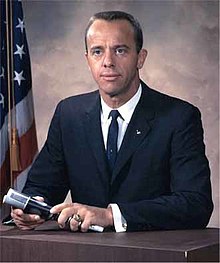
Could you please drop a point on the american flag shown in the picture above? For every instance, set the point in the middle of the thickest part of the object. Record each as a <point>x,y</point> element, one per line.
<point>18,141</point>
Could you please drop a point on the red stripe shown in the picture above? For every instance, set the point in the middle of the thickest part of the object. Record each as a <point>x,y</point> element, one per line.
<point>27,148</point>
<point>5,175</point>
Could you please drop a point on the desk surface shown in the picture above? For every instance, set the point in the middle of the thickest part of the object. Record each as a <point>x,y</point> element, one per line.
<point>179,245</point>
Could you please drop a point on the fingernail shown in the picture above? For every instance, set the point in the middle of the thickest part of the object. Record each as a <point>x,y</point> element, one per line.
<point>61,226</point>
<point>37,218</point>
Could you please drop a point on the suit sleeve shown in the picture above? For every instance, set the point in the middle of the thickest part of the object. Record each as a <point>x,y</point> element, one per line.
<point>47,177</point>
<point>189,203</point>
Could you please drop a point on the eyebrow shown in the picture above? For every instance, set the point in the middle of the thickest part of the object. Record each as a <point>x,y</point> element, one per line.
<point>114,47</point>
<point>121,46</point>
<point>96,47</point>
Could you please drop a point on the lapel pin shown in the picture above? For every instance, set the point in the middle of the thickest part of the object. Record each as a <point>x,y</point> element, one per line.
<point>138,132</point>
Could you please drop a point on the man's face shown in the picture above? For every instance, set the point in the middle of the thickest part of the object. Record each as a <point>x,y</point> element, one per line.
<point>113,59</point>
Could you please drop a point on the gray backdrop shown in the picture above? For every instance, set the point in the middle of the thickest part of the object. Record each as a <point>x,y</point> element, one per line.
<point>180,36</point>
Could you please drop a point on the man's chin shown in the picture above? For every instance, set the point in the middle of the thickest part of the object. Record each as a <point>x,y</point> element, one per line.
<point>112,94</point>
<point>111,91</point>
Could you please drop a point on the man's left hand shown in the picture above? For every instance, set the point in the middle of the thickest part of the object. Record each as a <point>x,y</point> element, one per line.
<point>88,215</point>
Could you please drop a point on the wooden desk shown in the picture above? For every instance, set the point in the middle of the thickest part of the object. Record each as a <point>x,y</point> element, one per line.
<point>61,246</point>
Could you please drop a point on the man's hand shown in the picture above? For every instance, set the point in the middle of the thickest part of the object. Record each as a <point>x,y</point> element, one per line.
<point>90,215</point>
<point>26,221</point>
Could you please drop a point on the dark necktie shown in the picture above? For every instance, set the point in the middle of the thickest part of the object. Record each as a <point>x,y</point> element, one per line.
<point>112,139</point>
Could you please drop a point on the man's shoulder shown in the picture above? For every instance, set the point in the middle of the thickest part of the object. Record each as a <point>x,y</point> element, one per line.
<point>78,104</point>
<point>162,100</point>
<point>80,101</point>
<point>168,107</point>
<point>82,98</point>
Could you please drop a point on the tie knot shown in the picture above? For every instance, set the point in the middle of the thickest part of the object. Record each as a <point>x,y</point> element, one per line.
<point>114,114</point>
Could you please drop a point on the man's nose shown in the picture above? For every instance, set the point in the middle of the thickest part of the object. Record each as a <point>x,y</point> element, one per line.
<point>109,60</point>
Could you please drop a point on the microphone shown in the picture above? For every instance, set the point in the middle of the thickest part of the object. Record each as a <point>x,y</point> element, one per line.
<point>28,204</point>
<point>31,206</point>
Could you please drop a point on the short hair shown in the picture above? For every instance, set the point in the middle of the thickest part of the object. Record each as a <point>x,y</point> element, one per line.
<point>118,15</point>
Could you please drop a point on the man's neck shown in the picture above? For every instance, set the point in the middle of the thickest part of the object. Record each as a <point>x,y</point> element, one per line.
<point>116,101</point>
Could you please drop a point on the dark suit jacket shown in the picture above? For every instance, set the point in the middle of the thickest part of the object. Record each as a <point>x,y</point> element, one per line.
<point>161,178</point>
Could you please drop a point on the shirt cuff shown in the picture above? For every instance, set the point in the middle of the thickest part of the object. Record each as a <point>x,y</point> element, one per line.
<point>120,223</point>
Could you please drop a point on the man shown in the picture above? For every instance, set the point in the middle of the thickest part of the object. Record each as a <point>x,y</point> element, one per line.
<point>141,166</point>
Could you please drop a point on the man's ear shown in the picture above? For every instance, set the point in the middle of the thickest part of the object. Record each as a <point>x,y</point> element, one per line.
<point>141,58</point>
<point>86,56</point>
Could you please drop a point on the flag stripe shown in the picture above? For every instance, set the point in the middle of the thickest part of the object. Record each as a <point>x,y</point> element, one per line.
<point>21,179</point>
<point>24,119</point>
<point>24,114</point>
<point>5,175</point>
<point>28,147</point>
<point>4,140</point>
<point>20,116</point>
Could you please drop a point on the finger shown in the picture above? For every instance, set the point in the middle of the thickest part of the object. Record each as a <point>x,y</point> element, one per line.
<point>19,215</point>
<point>58,208</point>
<point>30,218</point>
<point>16,212</point>
<point>26,227</point>
<point>29,225</point>
<point>65,214</point>
<point>85,224</point>
<point>25,221</point>
<point>39,198</point>
<point>73,225</point>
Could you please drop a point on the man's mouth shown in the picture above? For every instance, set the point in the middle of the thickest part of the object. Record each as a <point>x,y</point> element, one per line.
<point>110,76</point>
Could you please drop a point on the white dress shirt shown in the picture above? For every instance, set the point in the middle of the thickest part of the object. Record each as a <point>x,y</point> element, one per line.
<point>126,111</point>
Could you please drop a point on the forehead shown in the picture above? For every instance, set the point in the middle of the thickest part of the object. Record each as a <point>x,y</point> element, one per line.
<point>119,30</point>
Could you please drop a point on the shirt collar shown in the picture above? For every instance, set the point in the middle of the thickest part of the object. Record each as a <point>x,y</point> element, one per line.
<point>126,110</point>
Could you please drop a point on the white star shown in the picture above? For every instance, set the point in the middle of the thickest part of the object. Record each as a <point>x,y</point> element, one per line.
<point>138,132</point>
<point>19,77</point>
<point>20,25</point>
<point>3,73</point>
<point>19,51</point>
<point>2,101</point>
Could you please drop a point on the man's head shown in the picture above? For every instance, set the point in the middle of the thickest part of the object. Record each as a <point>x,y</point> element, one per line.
<point>118,15</point>
<point>114,54</point>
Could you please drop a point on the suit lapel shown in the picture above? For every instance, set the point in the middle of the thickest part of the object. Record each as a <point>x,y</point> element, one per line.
<point>137,130</point>
<point>95,137</point>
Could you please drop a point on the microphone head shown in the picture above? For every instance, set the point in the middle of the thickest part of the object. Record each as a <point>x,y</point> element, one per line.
<point>28,204</point>
<point>15,199</point>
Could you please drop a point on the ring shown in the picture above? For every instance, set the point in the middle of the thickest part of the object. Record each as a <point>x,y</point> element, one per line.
<point>77,218</point>
<point>67,223</point>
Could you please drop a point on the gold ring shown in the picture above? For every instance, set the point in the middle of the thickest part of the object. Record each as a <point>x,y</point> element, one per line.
<point>77,218</point>
<point>67,223</point>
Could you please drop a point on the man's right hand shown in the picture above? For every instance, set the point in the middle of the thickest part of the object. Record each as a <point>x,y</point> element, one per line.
<point>26,221</point>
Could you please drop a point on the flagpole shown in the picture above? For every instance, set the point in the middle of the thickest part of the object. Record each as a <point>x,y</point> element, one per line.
<point>8,82</point>
<point>13,139</point>
<point>15,156</point>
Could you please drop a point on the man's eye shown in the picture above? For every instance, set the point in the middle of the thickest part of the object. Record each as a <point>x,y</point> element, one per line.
<point>120,51</point>
<point>96,52</point>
